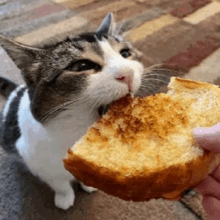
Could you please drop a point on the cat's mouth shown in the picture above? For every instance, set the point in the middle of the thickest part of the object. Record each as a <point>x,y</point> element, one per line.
<point>103,109</point>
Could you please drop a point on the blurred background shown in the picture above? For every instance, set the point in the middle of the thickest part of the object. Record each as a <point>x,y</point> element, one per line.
<point>175,37</point>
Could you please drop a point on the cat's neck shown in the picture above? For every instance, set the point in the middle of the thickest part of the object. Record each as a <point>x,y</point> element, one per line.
<point>62,131</point>
<point>59,133</point>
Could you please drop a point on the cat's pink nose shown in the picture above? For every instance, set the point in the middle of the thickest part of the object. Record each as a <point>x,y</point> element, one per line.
<point>126,77</point>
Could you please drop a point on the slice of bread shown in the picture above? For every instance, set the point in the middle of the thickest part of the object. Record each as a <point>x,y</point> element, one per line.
<point>143,148</point>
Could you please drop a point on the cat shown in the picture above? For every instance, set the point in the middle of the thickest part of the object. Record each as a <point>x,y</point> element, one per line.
<point>66,85</point>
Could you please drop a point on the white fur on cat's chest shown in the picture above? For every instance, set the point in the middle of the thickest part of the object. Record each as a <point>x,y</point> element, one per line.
<point>39,144</point>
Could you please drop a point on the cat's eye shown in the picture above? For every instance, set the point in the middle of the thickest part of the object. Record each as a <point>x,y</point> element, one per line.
<point>125,53</point>
<point>84,65</point>
<point>81,66</point>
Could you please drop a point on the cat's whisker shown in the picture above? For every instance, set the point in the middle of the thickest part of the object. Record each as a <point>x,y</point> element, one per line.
<point>83,103</point>
<point>145,82</point>
<point>143,93</point>
<point>60,107</point>
<point>155,65</point>
<point>48,113</point>
<point>161,69</point>
<point>153,69</point>
<point>152,79</point>
<point>53,111</point>
<point>159,75</point>
<point>158,65</point>
<point>150,85</point>
<point>165,70</point>
<point>94,107</point>
<point>145,86</point>
<point>156,74</point>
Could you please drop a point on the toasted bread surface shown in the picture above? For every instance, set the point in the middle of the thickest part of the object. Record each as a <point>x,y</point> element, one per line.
<point>143,148</point>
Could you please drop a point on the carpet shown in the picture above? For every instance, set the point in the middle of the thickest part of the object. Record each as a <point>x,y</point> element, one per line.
<point>182,36</point>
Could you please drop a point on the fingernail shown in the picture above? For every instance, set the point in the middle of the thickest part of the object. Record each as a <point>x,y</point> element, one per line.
<point>201,135</point>
<point>200,131</point>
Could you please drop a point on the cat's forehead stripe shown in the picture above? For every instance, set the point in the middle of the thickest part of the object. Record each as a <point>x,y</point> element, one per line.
<point>107,49</point>
<point>88,42</point>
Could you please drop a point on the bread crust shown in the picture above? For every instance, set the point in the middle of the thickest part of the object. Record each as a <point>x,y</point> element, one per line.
<point>168,183</point>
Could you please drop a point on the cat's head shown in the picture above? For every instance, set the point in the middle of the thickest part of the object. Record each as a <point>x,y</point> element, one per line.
<point>95,68</point>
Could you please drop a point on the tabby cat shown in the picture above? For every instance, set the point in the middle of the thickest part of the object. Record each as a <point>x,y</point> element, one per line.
<point>67,84</point>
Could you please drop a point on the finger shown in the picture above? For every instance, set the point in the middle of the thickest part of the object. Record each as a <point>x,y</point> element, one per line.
<point>216,174</point>
<point>209,138</point>
<point>209,187</point>
<point>212,207</point>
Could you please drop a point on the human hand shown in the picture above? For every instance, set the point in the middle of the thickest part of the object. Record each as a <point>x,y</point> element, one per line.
<point>209,138</point>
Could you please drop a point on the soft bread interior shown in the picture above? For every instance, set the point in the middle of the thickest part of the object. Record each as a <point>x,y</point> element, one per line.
<point>149,134</point>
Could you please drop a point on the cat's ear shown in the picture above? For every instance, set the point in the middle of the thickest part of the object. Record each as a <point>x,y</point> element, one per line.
<point>21,54</point>
<point>107,26</point>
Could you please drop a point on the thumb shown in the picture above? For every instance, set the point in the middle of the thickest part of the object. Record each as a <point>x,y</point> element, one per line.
<point>209,138</point>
